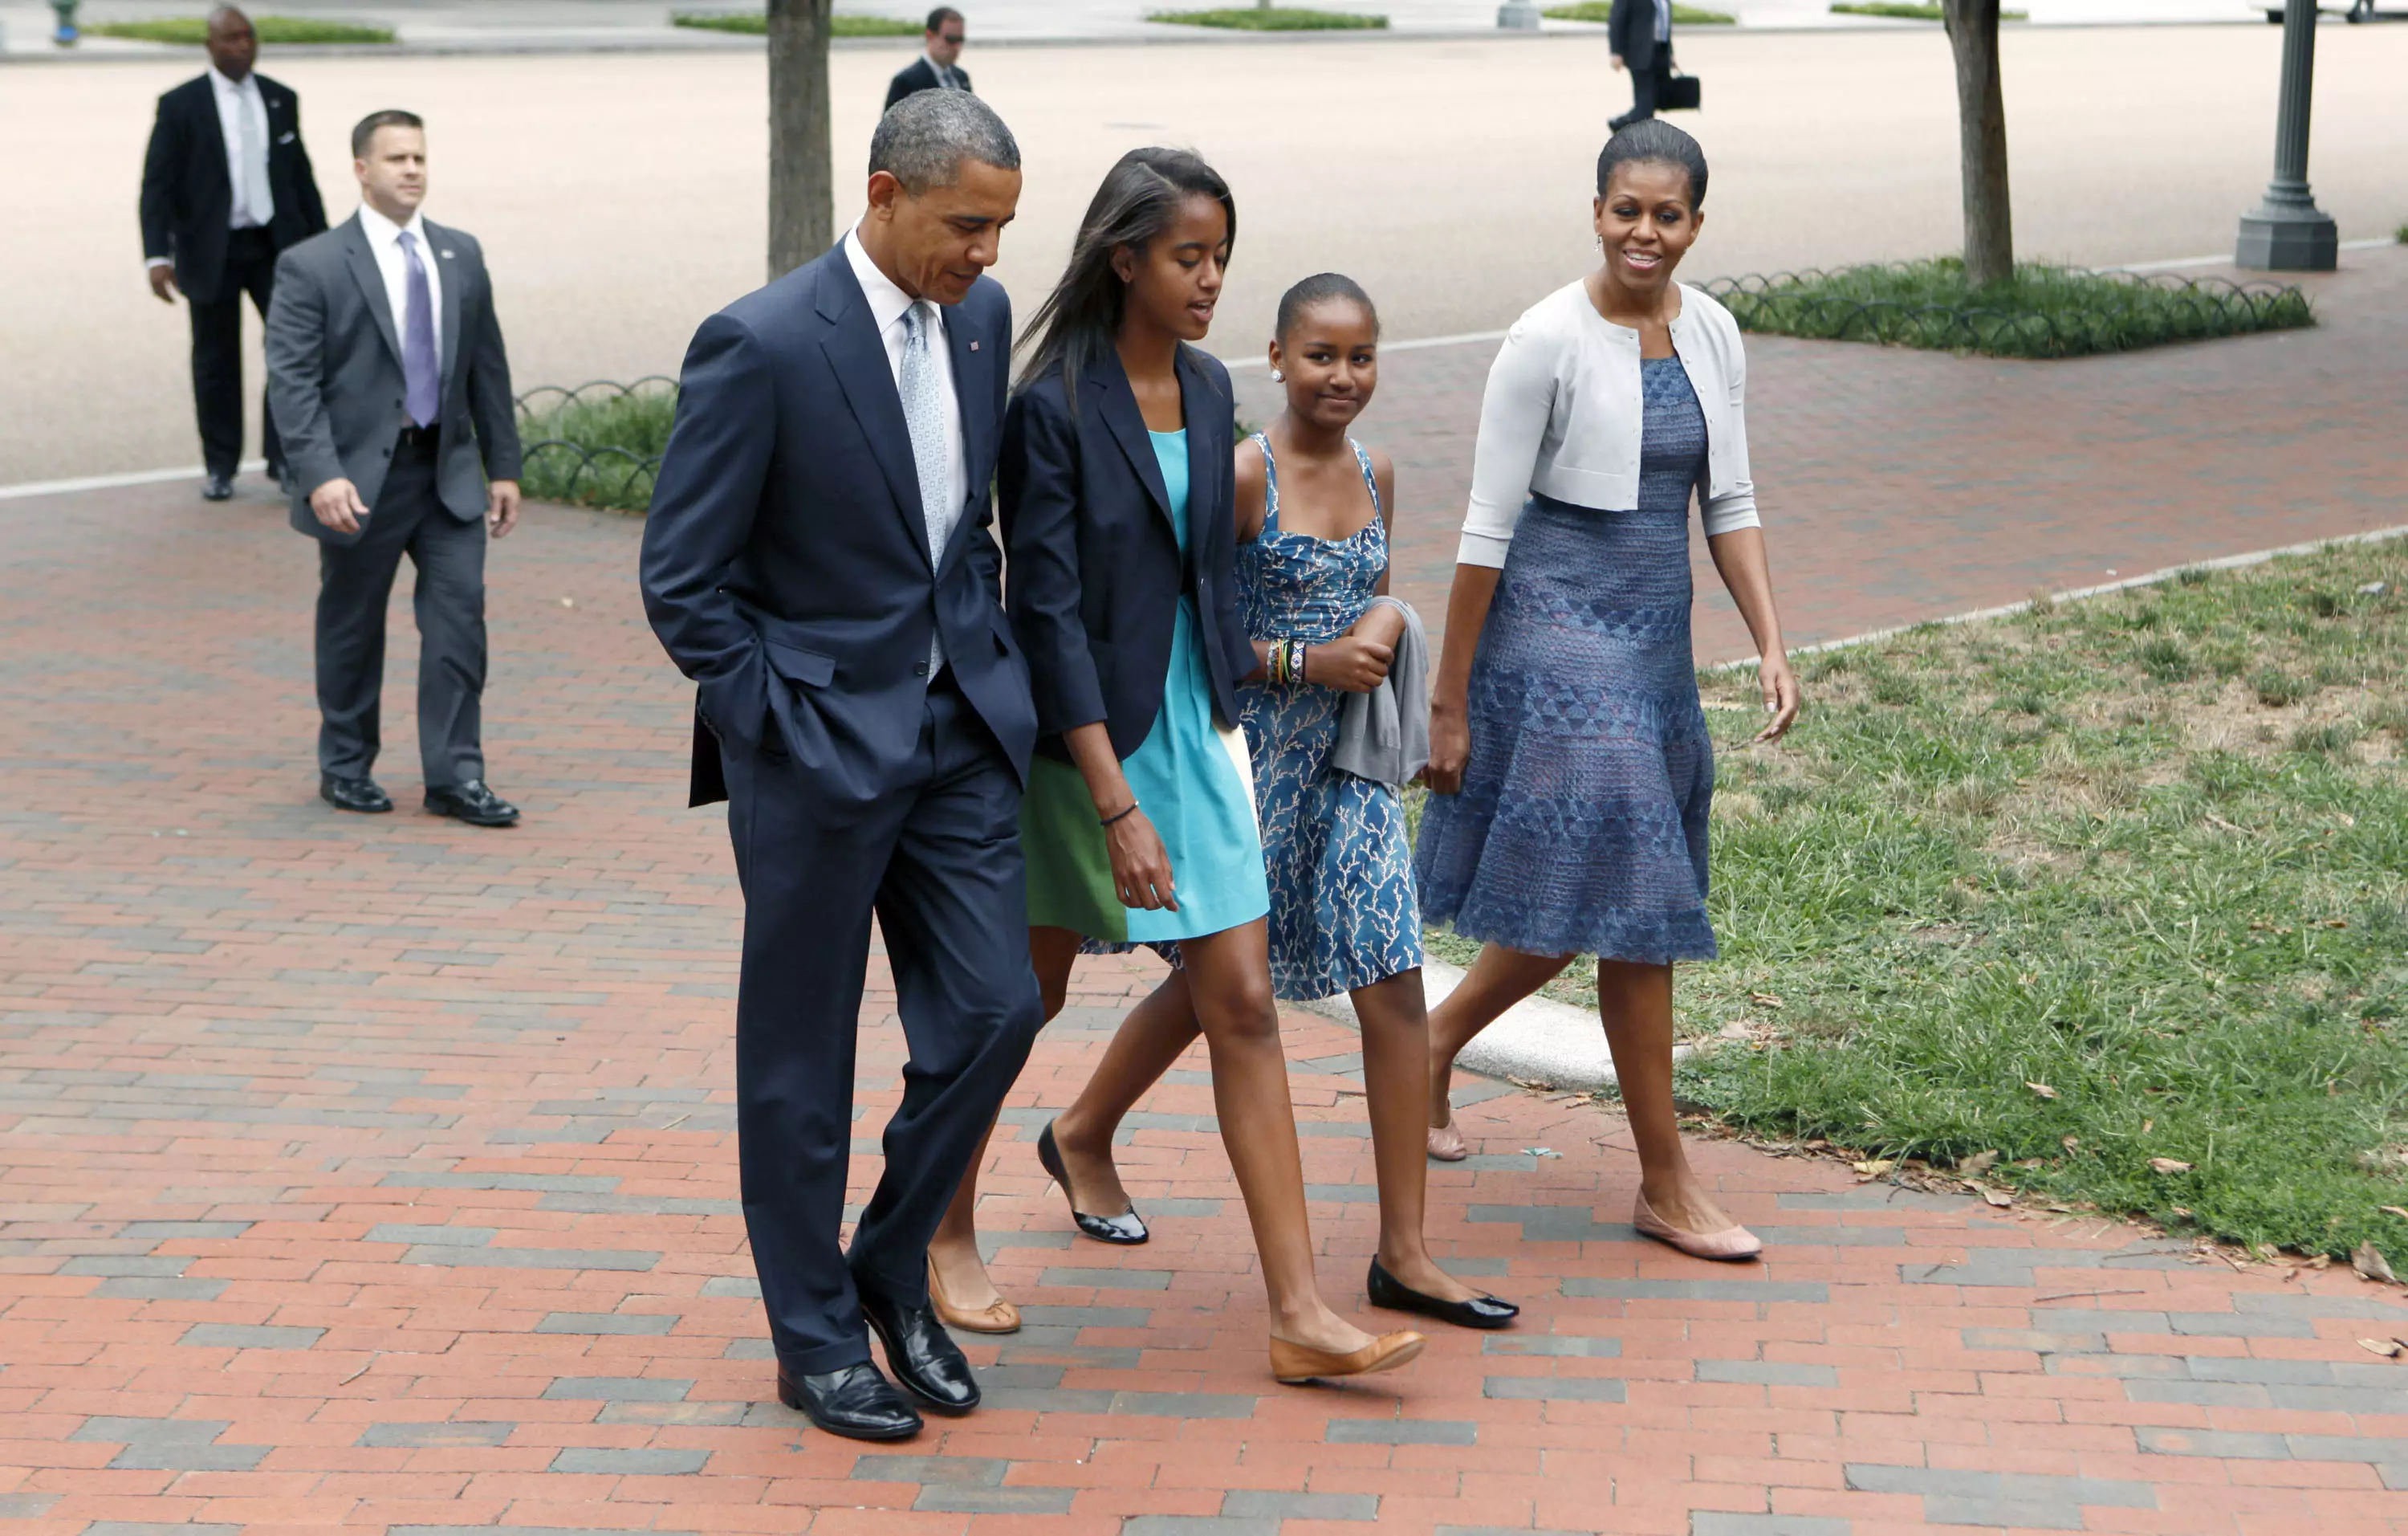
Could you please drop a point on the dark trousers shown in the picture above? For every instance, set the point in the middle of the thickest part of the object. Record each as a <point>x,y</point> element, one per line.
<point>217,355</point>
<point>937,858</point>
<point>1647,88</point>
<point>355,581</point>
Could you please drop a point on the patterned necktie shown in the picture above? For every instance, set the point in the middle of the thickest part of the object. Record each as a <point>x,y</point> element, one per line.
<point>923,413</point>
<point>418,370</point>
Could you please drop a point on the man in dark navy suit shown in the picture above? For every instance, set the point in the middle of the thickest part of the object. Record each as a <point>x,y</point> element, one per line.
<point>226,186</point>
<point>939,66</point>
<point>818,559</point>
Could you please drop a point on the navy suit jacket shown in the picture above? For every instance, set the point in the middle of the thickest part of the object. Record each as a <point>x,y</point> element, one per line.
<point>785,561</point>
<point>1095,570</point>
<point>187,199</point>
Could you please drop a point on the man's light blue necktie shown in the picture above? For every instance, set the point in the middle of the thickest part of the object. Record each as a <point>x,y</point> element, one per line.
<point>417,368</point>
<point>923,413</point>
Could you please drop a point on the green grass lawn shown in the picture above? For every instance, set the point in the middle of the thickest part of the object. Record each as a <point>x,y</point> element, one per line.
<point>1276,19</point>
<point>601,450</point>
<point>755,25</point>
<point>279,31</point>
<point>2116,891</point>
<point>1904,10</point>
<point>2042,311</point>
<point>1601,11</point>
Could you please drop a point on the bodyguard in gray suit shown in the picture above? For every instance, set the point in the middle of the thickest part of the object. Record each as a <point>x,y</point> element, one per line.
<point>389,385</point>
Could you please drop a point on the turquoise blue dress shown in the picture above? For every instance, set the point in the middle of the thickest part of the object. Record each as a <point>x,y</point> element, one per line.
<point>1339,858</point>
<point>1191,776</point>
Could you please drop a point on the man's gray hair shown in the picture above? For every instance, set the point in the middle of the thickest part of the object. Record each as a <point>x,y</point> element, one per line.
<point>923,139</point>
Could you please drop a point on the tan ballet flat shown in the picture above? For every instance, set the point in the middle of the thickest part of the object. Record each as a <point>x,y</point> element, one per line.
<point>1295,1363</point>
<point>1002,1318</point>
<point>1446,1144</point>
<point>1733,1244</point>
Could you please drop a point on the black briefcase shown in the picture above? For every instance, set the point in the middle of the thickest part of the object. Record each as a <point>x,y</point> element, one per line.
<point>1680,94</point>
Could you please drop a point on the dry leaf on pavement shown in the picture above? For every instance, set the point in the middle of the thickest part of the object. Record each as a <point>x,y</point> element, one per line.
<point>2370,1262</point>
<point>1978,1163</point>
<point>2388,1348</point>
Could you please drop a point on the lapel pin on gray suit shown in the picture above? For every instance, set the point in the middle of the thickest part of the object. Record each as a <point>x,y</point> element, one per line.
<point>388,380</point>
<point>819,558</point>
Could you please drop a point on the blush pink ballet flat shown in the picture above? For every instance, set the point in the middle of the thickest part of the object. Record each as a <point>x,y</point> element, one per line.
<point>1733,1244</point>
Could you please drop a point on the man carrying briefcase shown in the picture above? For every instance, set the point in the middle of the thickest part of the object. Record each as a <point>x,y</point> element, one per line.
<point>1640,32</point>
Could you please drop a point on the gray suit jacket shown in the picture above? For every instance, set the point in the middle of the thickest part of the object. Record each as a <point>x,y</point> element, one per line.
<point>335,377</point>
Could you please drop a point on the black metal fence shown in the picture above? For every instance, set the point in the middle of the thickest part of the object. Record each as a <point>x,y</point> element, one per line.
<point>598,444</point>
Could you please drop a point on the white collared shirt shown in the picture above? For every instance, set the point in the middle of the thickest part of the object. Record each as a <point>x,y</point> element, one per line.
<point>1663,20</point>
<point>384,241</point>
<point>946,79</point>
<point>887,306</point>
<point>236,102</point>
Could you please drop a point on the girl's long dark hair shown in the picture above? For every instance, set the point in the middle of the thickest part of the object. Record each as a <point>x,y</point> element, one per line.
<point>1140,197</point>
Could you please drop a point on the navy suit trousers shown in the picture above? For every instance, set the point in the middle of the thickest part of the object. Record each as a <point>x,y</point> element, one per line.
<point>937,858</point>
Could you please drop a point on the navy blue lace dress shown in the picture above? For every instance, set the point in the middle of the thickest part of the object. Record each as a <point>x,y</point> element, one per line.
<point>1581,826</point>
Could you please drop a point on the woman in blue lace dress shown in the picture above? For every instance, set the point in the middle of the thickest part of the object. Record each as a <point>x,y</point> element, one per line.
<point>1569,758</point>
<point>1312,514</point>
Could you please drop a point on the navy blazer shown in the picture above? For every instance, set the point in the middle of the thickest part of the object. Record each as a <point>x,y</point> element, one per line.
<point>1096,574</point>
<point>785,560</point>
<point>187,199</point>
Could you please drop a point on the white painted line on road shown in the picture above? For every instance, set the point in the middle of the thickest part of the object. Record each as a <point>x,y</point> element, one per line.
<point>112,482</point>
<point>2225,259</point>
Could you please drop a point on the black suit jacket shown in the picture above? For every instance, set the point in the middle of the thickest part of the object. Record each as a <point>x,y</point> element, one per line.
<point>1094,567</point>
<point>1630,32</point>
<point>918,75</point>
<point>187,197</point>
<point>785,561</point>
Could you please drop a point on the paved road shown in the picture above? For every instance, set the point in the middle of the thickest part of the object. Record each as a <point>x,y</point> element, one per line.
<point>378,1174</point>
<point>620,196</point>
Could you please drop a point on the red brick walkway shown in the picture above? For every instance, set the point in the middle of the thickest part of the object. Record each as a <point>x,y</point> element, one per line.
<point>379,1173</point>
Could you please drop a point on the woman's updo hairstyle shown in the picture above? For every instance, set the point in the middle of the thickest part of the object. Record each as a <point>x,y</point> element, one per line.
<point>1652,140</point>
<point>1317,289</point>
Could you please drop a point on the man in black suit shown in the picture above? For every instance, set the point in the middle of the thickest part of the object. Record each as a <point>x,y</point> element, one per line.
<point>935,68</point>
<point>818,559</point>
<point>226,188</point>
<point>1640,32</point>
<point>386,372</point>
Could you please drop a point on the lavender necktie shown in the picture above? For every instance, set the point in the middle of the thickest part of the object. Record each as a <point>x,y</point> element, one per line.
<point>418,369</point>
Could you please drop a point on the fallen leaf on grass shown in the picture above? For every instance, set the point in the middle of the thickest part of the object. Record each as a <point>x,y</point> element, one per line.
<point>2168,1165</point>
<point>2370,1262</point>
<point>2043,1089</point>
<point>2215,820</point>
<point>2393,1211</point>
<point>1763,999</point>
<point>2388,1348</point>
<point>1980,1163</point>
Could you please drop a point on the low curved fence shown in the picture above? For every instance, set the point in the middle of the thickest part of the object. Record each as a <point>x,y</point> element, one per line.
<point>597,444</point>
<point>2043,313</point>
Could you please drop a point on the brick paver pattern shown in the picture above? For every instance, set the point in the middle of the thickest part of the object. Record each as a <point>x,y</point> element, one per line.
<point>379,1173</point>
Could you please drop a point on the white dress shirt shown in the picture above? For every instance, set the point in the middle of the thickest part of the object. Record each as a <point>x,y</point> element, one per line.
<point>242,116</point>
<point>1564,415</point>
<point>946,79</point>
<point>887,306</point>
<point>1663,20</point>
<point>384,241</point>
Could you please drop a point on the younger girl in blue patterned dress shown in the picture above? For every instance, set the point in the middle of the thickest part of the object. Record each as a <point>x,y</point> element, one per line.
<point>1312,515</point>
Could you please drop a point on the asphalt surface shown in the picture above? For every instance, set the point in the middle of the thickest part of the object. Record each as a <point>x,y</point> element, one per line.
<point>620,196</point>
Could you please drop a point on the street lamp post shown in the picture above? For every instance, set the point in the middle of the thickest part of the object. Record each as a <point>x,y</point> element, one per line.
<point>2287,232</point>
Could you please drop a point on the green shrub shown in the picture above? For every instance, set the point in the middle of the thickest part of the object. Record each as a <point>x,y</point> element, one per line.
<point>281,31</point>
<point>1903,10</point>
<point>1601,11</point>
<point>2277,689</point>
<point>755,25</point>
<point>1276,19</point>
<point>2042,312</point>
<point>599,445</point>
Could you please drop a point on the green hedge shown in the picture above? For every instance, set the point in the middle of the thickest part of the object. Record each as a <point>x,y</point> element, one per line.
<point>1601,11</point>
<point>755,25</point>
<point>193,31</point>
<point>597,445</point>
<point>1902,10</point>
<point>2042,311</point>
<point>1277,19</point>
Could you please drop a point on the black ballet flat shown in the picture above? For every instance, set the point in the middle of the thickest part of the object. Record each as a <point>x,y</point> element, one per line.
<point>1127,1230</point>
<point>1480,1311</point>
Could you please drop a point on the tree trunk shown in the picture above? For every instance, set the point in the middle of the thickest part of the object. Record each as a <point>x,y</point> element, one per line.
<point>1981,141</point>
<point>802,200</point>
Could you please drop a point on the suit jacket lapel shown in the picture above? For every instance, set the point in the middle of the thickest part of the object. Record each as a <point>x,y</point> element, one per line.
<point>212,137</point>
<point>362,262</point>
<point>858,356</point>
<point>439,244</point>
<point>1107,382</point>
<point>973,356</point>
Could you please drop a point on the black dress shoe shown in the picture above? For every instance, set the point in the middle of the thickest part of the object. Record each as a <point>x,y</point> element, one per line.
<point>361,795</point>
<point>855,1403</point>
<point>471,802</point>
<point>1482,1312</point>
<point>218,488</point>
<point>919,1351</point>
<point>1127,1229</point>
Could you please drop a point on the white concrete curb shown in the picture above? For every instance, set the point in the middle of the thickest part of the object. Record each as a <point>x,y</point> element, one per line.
<point>1538,1039</point>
